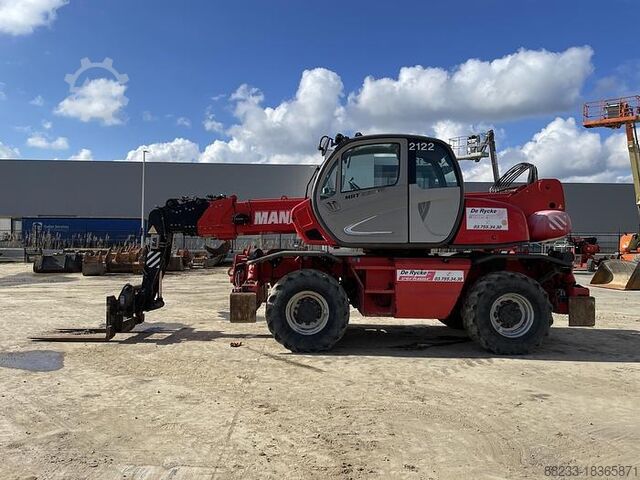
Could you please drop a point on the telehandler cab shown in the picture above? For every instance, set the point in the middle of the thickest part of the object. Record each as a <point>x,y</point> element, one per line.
<point>426,248</point>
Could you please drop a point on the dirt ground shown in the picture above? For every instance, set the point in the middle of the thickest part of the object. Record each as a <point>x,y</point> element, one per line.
<point>396,399</point>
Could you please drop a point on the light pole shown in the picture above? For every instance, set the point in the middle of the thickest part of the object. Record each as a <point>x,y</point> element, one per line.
<point>144,159</point>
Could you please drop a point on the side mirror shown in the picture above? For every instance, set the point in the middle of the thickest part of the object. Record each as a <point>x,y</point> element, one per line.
<point>325,143</point>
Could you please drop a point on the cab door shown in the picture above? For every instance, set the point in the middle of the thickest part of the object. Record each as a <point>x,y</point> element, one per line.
<point>362,199</point>
<point>435,192</point>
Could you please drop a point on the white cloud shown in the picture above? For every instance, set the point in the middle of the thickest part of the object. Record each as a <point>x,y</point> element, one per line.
<point>565,150</point>
<point>8,152</point>
<point>285,133</point>
<point>21,17</point>
<point>83,154</point>
<point>147,116</point>
<point>37,101</point>
<point>47,125</point>
<point>562,149</point>
<point>523,84</point>
<point>40,141</point>
<point>617,151</point>
<point>179,150</point>
<point>183,122</point>
<point>210,123</point>
<point>470,97</point>
<point>421,99</point>
<point>99,99</point>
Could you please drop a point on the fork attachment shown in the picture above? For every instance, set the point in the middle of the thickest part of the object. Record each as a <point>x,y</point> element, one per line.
<point>127,310</point>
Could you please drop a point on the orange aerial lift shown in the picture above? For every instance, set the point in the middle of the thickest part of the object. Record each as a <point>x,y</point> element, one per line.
<point>622,273</point>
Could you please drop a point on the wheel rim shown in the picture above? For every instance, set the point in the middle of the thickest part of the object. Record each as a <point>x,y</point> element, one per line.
<point>512,315</point>
<point>307,312</point>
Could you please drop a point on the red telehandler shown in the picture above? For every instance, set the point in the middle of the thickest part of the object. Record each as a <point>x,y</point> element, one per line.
<point>426,249</point>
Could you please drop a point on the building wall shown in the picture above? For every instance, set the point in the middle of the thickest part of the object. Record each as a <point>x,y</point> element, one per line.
<point>595,207</point>
<point>112,189</point>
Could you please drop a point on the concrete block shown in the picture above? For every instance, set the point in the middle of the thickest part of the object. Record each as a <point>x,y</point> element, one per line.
<point>582,311</point>
<point>242,307</point>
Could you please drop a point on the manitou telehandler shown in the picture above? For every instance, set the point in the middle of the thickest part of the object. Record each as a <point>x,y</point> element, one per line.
<point>426,249</point>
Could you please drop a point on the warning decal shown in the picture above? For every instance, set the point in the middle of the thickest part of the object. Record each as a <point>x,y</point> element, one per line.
<point>487,218</point>
<point>446,276</point>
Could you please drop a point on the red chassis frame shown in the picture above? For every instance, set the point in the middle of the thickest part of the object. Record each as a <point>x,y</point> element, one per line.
<point>379,285</point>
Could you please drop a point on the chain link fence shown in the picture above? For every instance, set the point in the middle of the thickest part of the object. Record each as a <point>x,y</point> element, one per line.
<point>264,242</point>
<point>58,241</point>
<point>9,239</point>
<point>609,242</point>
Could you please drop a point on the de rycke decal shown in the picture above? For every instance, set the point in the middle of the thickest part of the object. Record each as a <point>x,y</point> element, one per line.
<point>445,276</point>
<point>487,218</point>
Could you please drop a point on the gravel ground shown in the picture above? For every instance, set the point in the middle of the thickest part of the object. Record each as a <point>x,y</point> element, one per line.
<point>395,399</point>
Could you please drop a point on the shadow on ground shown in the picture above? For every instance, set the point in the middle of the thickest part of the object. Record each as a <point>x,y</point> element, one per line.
<point>154,333</point>
<point>426,341</point>
<point>562,344</point>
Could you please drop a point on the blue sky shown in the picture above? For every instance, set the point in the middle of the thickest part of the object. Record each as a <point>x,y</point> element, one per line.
<point>185,60</point>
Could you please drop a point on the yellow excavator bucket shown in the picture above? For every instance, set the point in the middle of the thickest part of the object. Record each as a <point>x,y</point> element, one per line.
<point>618,275</point>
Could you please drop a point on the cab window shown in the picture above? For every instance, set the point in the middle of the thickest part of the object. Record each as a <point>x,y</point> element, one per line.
<point>329,185</point>
<point>370,166</point>
<point>435,169</point>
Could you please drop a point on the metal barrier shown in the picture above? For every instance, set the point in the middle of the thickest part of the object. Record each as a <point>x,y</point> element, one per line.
<point>9,239</point>
<point>264,242</point>
<point>609,242</point>
<point>57,241</point>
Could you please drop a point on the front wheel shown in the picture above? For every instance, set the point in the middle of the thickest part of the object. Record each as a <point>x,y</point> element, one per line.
<point>507,313</point>
<point>307,311</point>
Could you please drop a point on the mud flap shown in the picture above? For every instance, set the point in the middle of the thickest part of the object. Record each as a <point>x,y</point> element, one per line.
<point>617,275</point>
<point>242,307</point>
<point>582,311</point>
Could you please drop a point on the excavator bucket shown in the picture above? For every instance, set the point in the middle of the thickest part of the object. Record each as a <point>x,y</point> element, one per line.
<point>93,263</point>
<point>618,275</point>
<point>58,263</point>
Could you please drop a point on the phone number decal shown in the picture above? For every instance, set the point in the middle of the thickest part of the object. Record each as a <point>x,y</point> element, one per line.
<point>487,218</point>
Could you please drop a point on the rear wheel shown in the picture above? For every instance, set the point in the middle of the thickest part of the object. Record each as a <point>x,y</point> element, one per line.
<point>507,313</point>
<point>307,311</point>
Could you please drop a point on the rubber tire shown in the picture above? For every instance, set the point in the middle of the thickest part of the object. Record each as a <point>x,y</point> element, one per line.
<point>453,321</point>
<point>318,282</point>
<point>477,305</point>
